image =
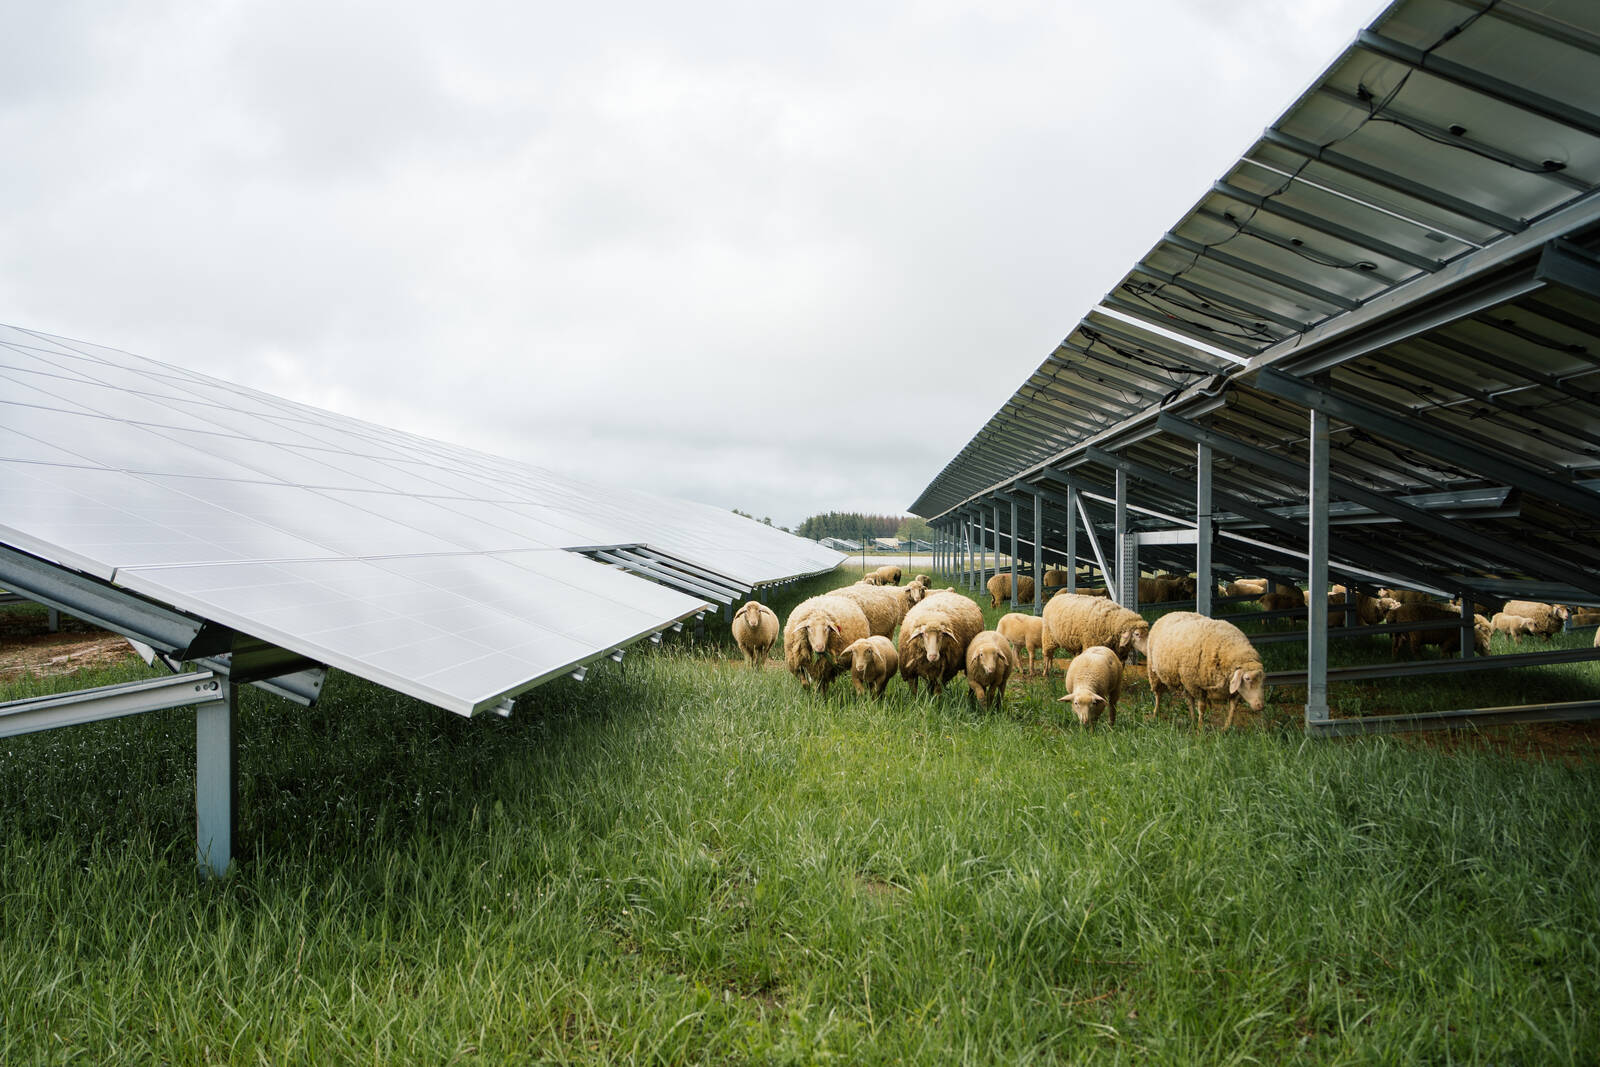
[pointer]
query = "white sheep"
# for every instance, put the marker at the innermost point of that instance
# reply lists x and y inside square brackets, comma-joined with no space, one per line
[1074,623]
[990,662]
[1026,631]
[1448,638]
[934,638]
[884,606]
[999,586]
[1094,682]
[873,661]
[1513,626]
[1547,619]
[1206,659]
[889,573]
[1247,587]
[755,631]
[816,634]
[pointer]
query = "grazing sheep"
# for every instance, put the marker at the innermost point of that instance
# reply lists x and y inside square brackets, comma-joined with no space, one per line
[1581,617]
[755,631]
[873,578]
[1207,659]
[912,593]
[1547,618]
[1277,601]
[817,632]
[990,662]
[890,573]
[934,639]
[1054,579]
[1448,638]
[873,661]
[1075,623]
[1246,587]
[1408,596]
[1094,682]
[1513,626]
[1166,589]
[1369,610]
[884,606]
[923,580]
[1092,590]
[1000,588]
[1024,630]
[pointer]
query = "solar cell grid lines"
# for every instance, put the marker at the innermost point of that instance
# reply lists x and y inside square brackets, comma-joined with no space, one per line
[430,568]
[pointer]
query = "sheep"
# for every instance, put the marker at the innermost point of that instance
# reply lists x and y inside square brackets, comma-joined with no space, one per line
[755,631]
[1547,618]
[1092,590]
[1246,587]
[990,663]
[1000,588]
[1207,659]
[1078,622]
[890,573]
[1094,679]
[934,638]
[1513,626]
[1448,638]
[873,579]
[923,580]
[817,632]
[1024,630]
[1408,596]
[1054,579]
[1369,610]
[1277,601]
[1585,617]
[912,593]
[1165,589]
[873,661]
[884,606]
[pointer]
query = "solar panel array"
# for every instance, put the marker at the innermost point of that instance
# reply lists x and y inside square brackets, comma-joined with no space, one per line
[1410,248]
[435,570]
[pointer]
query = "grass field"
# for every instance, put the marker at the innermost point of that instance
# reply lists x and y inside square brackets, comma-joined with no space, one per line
[684,861]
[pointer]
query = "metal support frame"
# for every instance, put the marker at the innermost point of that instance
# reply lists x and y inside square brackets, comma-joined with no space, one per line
[1014,554]
[1038,554]
[1205,585]
[1074,508]
[1127,592]
[1317,557]
[216,782]
[996,515]
[1571,711]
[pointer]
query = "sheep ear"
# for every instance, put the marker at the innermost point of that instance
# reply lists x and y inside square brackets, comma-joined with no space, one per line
[1236,680]
[1100,698]
[833,627]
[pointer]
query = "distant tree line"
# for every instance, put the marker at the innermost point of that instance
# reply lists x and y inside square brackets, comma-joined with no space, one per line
[855,526]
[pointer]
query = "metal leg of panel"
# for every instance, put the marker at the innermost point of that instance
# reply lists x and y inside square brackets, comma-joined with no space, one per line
[1013,554]
[1468,630]
[1128,593]
[216,780]
[997,537]
[1205,585]
[1072,539]
[54,615]
[1038,554]
[1317,621]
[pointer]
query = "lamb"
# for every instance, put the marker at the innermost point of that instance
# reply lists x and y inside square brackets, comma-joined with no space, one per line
[1094,680]
[1000,588]
[934,637]
[1513,626]
[1448,638]
[912,593]
[1077,622]
[884,606]
[873,661]
[1024,630]
[990,662]
[755,631]
[1208,659]
[1547,618]
[890,573]
[816,634]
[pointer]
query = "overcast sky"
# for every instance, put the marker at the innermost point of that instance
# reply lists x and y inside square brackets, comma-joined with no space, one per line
[781,258]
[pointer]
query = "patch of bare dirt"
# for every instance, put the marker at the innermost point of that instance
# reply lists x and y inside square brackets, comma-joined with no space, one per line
[28,647]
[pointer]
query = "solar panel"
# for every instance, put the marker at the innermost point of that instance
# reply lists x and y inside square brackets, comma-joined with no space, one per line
[435,570]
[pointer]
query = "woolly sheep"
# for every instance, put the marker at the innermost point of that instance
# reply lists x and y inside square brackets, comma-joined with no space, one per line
[817,632]
[990,663]
[1583,617]
[873,661]
[1408,596]
[1054,579]
[1075,623]
[1513,626]
[934,638]
[1369,610]
[1448,638]
[912,593]
[755,631]
[1205,659]
[1277,601]
[884,606]
[999,586]
[873,579]
[1022,630]
[1165,589]
[1547,618]
[1092,590]
[890,573]
[1094,682]
[1247,587]
[923,580]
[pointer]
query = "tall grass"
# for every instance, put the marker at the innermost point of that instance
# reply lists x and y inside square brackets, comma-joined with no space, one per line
[683,860]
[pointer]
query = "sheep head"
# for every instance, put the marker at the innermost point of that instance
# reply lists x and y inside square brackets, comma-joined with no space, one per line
[752,614]
[1249,682]
[818,631]
[1083,704]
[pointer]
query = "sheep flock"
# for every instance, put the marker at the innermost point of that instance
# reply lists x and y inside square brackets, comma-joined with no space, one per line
[878,629]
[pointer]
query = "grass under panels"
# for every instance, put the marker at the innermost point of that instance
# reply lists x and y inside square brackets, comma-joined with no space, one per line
[681,860]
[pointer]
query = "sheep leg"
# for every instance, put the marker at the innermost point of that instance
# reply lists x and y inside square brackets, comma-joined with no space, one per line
[1233,702]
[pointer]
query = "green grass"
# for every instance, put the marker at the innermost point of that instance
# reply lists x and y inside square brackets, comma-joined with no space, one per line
[684,861]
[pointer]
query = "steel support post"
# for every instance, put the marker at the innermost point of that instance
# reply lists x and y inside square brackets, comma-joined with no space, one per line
[969,560]
[216,779]
[1013,552]
[996,513]
[1468,628]
[1126,558]
[1317,551]
[1205,585]
[1073,504]
[1038,554]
